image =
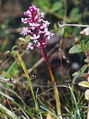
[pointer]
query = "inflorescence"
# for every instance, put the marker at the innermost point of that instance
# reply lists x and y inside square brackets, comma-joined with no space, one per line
[37,28]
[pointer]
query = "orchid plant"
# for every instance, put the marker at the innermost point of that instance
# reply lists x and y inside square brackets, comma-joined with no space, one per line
[37,28]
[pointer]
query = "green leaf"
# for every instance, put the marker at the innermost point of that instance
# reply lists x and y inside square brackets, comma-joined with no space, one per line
[5,95]
[56,6]
[14,47]
[76,73]
[44,3]
[84,84]
[86,60]
[87,43]
[75,49]
[74,12]
[13,70]
[74,15]
[25,40]
[83,45]
[22,39]
[46,109]
[8,112]
[27,37]
[87,94]
[83,69]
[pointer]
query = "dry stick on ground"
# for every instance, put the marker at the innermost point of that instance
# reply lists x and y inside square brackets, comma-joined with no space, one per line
[76,25]
[42,59]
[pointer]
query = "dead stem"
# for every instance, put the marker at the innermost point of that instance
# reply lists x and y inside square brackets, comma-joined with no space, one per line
[75,25]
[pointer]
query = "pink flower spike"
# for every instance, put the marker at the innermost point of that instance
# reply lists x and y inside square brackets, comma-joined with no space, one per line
[37,28]
[34,8]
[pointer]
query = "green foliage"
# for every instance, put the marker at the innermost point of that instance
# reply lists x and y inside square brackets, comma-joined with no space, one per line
[86,60]
[56,6]
[82,47]
[50,112]
[84,84]
[12,70]
[75,49]
[24,40]
[75,15]
[87,94]
[8,112]
[43,3]
[81,71]
[73,101]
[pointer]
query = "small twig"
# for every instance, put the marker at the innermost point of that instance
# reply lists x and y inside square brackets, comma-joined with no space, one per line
[42,59]
[74,25]
[8,31]
[36,65]
[4,63]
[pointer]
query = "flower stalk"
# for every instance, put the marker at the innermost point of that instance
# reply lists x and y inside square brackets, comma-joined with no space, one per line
[56,92]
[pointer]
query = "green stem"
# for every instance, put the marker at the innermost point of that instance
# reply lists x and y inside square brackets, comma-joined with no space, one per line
[27,76]
[56,92]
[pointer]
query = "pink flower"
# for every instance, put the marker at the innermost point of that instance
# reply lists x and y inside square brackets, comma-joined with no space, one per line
[34,37]
[37,28]
[25,31]
[30,46]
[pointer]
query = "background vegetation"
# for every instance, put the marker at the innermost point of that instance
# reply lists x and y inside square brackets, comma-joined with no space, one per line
[15,98]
